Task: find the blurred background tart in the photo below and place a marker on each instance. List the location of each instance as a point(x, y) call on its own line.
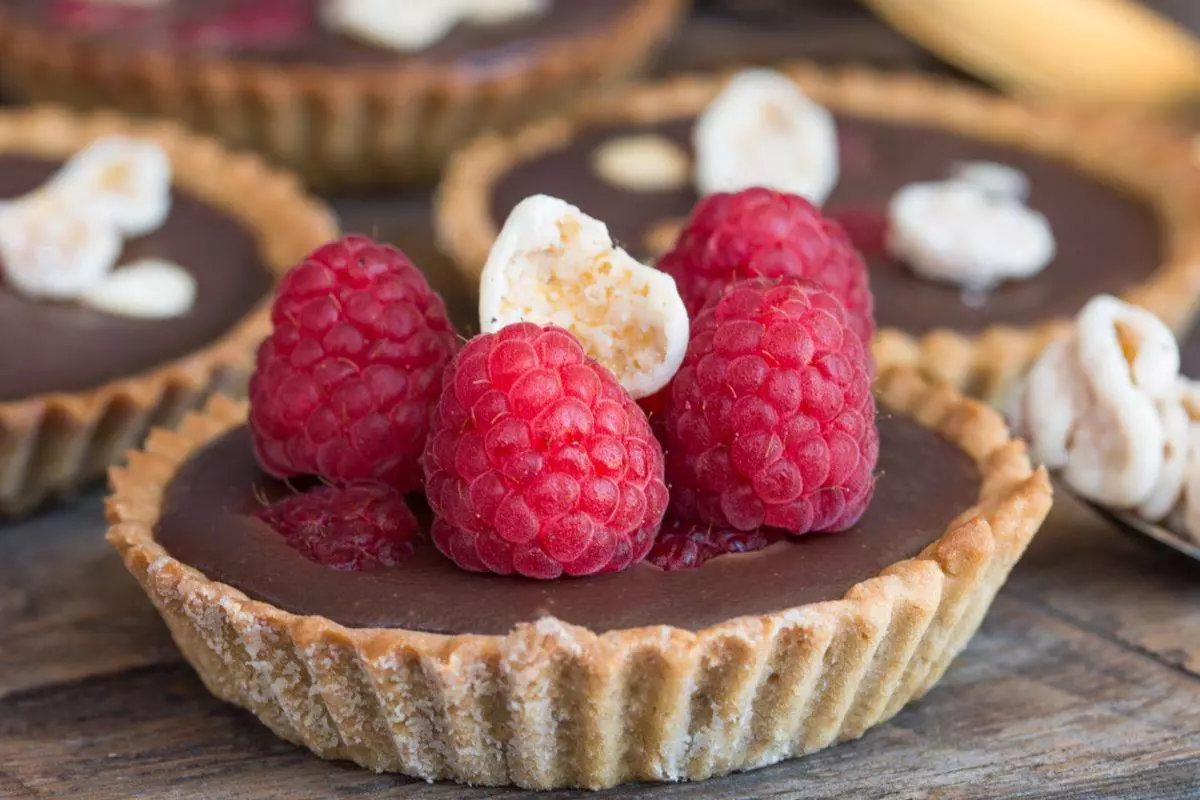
point(1121, 198)
point(277, 76)
point(80, 385)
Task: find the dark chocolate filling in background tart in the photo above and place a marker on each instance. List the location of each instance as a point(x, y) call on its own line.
point(63, 347)
point(473, 45)
point(924, 483)
point(1107, 241)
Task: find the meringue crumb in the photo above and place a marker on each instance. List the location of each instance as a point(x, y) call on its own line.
point(642, 163)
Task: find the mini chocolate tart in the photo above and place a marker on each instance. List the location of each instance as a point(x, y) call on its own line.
point(1122, 199)
point(274, 77)
point(642, 675)
point(79, 387)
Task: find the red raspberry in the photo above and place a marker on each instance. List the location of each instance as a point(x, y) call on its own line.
point(771, 420)
point(252, 23)
point(761, 233)
point(345, 385)
point(538, 461)
point(93, 17)
point(357, 528)
point(686, 545)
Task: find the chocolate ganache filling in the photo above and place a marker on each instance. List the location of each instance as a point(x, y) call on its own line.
point(64, 347)
point(1107, 241)
point(293, 32)
point(206, 524)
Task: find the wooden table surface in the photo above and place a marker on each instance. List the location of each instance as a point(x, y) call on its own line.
point(1084, 680)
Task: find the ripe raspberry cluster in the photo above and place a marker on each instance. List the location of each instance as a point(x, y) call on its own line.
point(533, 458)
point(760, 233)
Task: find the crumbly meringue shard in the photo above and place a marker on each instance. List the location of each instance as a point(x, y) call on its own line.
point(762, 130)
point(975, 232)
point(553, 264)
point(146, 289)
point(1105, 405)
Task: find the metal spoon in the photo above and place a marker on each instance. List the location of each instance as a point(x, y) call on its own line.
point(1136, 524)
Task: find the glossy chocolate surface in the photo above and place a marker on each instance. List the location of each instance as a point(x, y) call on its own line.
point(478, 46)
point(64, 347)
point(924, 483)
point(1107, 241)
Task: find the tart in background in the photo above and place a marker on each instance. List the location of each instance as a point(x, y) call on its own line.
point(339, 110)
point(1122, 195)
point(80, 387)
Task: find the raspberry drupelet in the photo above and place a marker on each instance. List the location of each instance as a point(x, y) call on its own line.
point(771, 421)
point(356, 528)
point(345, 384)
point(763, 233)
point(538, 462)
point(686, 545)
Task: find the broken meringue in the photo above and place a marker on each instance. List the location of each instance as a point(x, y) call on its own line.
point(498, 12)
point(119, 180)
point(996, 180)
point(407, 26)
point(762, 130)
point(642, 163)
point(416, 24)
point(49, 250)
point(1092, 406)
point(958, 232)
point(553, 264)
point(146, 289)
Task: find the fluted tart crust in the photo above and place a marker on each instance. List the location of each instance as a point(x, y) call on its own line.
point(555, 705)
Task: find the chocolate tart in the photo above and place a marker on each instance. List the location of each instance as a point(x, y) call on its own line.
point(338, 112)
point(1122, 197)
point(640, 675)
point(80, 387)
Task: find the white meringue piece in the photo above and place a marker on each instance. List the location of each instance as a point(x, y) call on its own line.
point(956, 232)
point(762, 130)
point(118, 179)
point(49, 250)
point(553, 264)
point(146, 289)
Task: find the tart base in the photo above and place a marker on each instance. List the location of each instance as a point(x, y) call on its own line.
point(1134, 155)
point(554, 705)
point(52, 444)
point(337, 127)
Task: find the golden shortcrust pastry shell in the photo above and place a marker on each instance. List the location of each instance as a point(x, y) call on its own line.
point(556, 705)
point(51, 444)
point(338, 126)
point(1139, 158)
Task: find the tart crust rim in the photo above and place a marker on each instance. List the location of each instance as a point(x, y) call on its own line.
point(50, 442)
point(495, 705)
point(1154, 166)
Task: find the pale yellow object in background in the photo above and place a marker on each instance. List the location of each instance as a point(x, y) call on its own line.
point(1089, 51)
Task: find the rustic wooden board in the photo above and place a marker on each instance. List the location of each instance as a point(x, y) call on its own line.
point(1083, 682)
